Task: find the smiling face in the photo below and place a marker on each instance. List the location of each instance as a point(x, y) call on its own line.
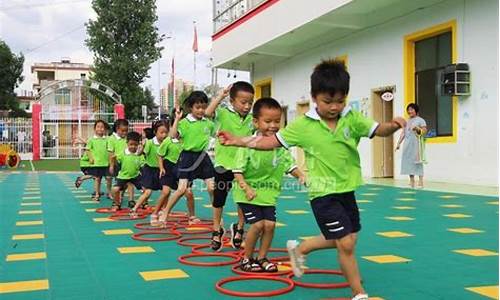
point(100, 129)
point(268, 121)
point(411, 112)
point(161, 133)
point(122, 131)
point(328, 107)
point(242, 103)
point(132, 146)
point(198, 110)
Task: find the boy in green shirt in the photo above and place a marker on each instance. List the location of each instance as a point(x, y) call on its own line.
point(117, 144)
point(131, 163)
point(329, 134)
point(235, 118)
point(259, 174)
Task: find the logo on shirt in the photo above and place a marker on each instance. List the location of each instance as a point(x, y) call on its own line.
point(347, 133)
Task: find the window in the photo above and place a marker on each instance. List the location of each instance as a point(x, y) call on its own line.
point(426, 53)
point(63, 97)
point(431, 56)
point(263, 88)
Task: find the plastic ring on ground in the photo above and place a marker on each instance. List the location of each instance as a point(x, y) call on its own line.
point(184, 259)
point(126, 217)
point(108, 210)
point(290, 286)
point(236, 269)
point(320, 285)
point(203, 222)
point(194, 229)
point(148, 227)
point(140, 236)
point(140, 211)
point(196, 249)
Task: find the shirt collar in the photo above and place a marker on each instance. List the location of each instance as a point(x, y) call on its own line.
point(230, 107)
point(127, 152)
point(155, 141)
point(99, 137)
point(191, 118)
point(117, 136)
point(313, 114)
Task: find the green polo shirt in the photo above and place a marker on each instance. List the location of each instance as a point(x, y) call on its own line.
point(332, 157)
point(98, 146)
point(263, 170)
point(116, 144)
point(170, 149)
point(227, 119)
point(195, 133)
point(151, 152)
point(131, 164)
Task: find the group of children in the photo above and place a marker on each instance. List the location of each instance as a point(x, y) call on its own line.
point(251, 158)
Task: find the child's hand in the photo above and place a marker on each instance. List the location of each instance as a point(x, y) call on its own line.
point(401, 122)
point(91, 161)
point(302, 180)
point(250, 193)
point(225, 138)
point(178, 114)
point(162, 172)
point(111, 170)
point(225, 92)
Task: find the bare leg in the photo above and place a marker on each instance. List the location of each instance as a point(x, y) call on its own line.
point(412, 181)
point(109, 183)
point(348, 263)
point(143, 198)
point(183, 183)
point(421, 181)
point(253, 235)
point(267, 238)
point(97, 188)
point(165, 192)
point(190, 202)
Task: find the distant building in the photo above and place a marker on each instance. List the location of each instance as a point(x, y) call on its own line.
point(45, 73)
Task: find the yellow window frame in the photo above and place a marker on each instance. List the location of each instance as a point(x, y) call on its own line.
point(259, 84)
point(409, 71)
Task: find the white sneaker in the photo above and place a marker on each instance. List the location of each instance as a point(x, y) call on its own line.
point(296, 260)
point(153, 221)
point(360, 297)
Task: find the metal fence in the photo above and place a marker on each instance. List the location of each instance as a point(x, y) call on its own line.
point(17, 133)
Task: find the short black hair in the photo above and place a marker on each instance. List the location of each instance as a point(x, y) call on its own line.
point(118, 123)
point(264, 103)
point(196, 97)
point(133, 136)
point(159, 124)
point(149, 132)
point(106, 125)
point(414, 106)
point(330, 76)
point(240, 86)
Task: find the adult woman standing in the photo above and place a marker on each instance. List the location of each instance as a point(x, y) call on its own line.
point(412, 161)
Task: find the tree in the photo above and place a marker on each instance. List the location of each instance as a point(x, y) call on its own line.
point(11, 68)
point(124, 41)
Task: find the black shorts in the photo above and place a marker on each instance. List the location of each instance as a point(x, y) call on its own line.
point(337, 215)
point(170, 178)
point(195, 165)
point(122, 183)
point(223, 184)
point(255, 213)
point(150, 178)
point(85, 170)
point(98, 171)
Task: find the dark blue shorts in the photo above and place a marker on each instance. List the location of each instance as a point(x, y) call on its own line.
point(255, 213)
point(150, 178)
point(122, 183)
point(85, 170)
point(195, 165)
point(337, 215)
point(170, 178)
point(98, 171)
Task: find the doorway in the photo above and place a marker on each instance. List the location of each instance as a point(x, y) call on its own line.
point(383, 148)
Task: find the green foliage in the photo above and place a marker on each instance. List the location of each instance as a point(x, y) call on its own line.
point(11, 68)
point(124, 41)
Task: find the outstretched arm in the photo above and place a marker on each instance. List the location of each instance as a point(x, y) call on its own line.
point(255, 142)
point(209, 112)
point(173, 133)
point(388, 128)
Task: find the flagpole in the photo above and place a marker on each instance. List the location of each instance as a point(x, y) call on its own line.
point(195, 49)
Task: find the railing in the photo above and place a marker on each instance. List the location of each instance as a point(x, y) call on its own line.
point(16, 132)
point(227, 12)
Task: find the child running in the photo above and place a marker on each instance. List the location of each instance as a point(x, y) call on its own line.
point(259, 174)
point(130, 165)
point(236, 119)
point(329, 134)
point(194, 163)
point(150, 173)
point(97, 155)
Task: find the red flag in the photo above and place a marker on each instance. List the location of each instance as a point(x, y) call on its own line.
point(195, 41)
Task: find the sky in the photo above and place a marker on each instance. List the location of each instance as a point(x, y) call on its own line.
point(48, 30)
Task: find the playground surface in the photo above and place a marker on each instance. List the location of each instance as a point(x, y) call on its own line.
point(415, 244)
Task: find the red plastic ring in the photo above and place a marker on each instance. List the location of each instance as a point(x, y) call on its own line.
point(148, 227)
point(290, 286)
point(108, 210)
point(185, 229)
point(196, 249)
point(320, 285)
point(184, 259)
point(140, 236)
point(236, 269)
point(203, 222)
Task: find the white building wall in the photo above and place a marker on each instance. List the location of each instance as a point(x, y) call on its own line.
point(70, 74)
point(375, 59)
